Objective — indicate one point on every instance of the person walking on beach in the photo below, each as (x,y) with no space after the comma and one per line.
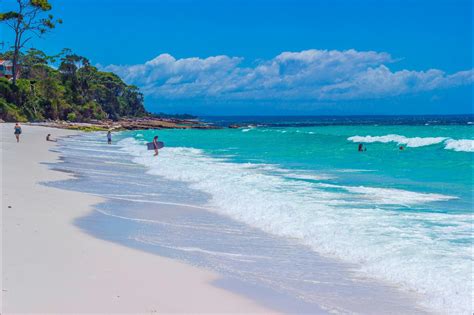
(17,132)
(109,137)
(155,145)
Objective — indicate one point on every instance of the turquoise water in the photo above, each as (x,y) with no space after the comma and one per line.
(293,206)
(429,168)
(404,217)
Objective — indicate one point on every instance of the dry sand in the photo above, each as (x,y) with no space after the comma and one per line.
(50,266)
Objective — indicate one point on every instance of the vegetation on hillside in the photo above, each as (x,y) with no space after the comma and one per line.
(71,90)
(32,18)
(74,90)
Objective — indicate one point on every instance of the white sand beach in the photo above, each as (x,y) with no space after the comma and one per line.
(50,266)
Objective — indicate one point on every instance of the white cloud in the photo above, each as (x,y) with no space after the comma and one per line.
(306,75)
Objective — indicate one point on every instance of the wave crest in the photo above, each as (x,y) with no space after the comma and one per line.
(344,221)
(462,145)
(410,142)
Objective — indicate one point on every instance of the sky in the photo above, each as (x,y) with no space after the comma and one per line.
(279,57)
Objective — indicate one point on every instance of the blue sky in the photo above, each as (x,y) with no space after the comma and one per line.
(279,57)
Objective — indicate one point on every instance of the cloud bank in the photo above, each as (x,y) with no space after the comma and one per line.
(312,75)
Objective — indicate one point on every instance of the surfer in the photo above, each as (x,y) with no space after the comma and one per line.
(401,148)
(109,137)
(361,147)
(17,132)
(155,145)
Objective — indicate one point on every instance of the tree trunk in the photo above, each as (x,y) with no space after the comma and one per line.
(14,66)
(16,53)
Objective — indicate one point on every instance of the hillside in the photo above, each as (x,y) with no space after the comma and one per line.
(66,87)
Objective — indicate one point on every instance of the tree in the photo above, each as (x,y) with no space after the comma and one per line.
(28,21)
(31,59)
(75,90)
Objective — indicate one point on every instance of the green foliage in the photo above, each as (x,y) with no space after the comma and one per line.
(28,20)
(75,91)
(41,4)
(87,128)
(9,16)
(10,112)
(71,117)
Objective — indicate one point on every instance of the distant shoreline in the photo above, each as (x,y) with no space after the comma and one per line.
(250,121)
(141,123)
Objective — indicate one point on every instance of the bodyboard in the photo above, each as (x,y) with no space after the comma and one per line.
(150,145)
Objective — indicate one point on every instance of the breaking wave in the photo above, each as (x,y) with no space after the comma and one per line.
(464,145)
(354,223)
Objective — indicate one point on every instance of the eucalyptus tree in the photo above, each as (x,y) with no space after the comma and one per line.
(30,19)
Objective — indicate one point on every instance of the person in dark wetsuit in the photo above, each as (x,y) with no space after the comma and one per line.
(155,144)
(109,137)
(361,147)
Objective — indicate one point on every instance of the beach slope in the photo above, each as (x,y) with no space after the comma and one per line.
(51,266)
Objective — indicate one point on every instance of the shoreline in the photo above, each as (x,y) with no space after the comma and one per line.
(180,233)
(137,123)
(56,267)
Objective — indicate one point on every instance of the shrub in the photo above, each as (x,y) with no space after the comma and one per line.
(72,117)
(10,113)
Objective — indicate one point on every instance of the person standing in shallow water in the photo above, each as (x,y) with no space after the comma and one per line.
(155,144)
(109,137)
(17,132)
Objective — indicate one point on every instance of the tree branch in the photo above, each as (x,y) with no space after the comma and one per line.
(25,41)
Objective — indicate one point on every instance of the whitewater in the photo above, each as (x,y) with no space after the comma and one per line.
(403,218)
(341,221)
(465,145)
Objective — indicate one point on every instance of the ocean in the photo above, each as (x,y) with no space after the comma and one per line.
(290,207)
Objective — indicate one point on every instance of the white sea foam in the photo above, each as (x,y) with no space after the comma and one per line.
(389,196)
(350,170)
(304,176)
(149,221)
(209,252)
(410,142)
(411,249)
(463,145)
(396,196)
